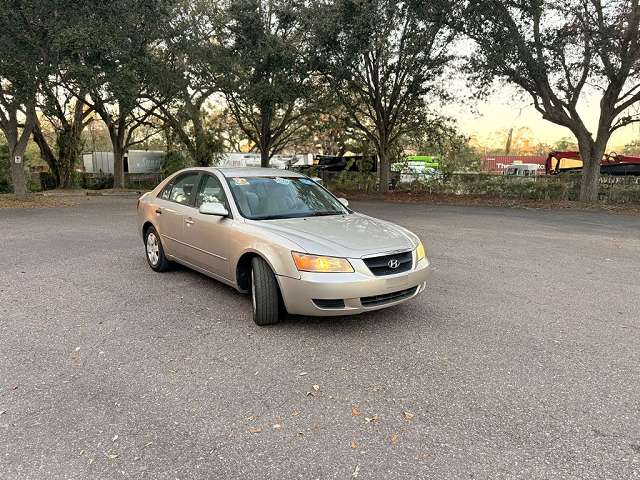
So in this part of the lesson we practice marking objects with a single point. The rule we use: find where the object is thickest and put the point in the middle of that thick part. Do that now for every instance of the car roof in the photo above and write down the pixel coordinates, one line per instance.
(254, 172)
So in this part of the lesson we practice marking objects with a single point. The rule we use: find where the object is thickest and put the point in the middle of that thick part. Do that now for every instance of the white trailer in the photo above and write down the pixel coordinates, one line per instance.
(136, 161)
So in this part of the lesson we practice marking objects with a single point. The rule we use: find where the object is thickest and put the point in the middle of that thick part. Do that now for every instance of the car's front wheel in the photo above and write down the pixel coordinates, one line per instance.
(155, 253)
(265, 295)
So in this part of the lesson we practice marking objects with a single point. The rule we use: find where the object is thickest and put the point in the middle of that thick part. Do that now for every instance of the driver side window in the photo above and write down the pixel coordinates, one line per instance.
(210, 191)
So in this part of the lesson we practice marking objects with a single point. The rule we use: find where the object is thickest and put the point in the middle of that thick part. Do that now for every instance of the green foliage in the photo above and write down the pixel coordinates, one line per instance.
(353, 182)
(260, 59)
(5, 180)
(96, 181)
(174, 161)
(381, 59)
(440, 137)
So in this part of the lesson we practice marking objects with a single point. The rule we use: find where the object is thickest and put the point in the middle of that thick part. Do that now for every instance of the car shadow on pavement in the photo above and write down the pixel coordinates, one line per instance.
(387, 319)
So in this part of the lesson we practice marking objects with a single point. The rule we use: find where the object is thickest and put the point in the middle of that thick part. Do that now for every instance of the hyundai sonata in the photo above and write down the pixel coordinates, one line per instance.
(283, 238)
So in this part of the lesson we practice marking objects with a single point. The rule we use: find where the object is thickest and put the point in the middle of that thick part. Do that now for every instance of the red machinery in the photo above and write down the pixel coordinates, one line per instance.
(611, 164)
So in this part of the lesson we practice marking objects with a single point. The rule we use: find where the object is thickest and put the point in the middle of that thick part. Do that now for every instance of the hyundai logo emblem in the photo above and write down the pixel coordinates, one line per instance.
(393, 263)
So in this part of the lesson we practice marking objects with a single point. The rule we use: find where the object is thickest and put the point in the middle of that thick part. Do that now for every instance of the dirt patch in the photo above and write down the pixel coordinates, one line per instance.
(483, 201)
(35, 201)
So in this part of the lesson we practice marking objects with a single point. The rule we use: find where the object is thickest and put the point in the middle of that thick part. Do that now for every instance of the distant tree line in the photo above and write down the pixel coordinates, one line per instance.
(296, 71)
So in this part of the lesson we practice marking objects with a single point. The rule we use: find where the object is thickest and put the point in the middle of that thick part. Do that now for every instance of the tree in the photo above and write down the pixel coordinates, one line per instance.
(186, 58)
(441, 138)
(381, 58)
(116, 61)
(565, 144)
(558, 51)
(260, 46)
(68, 115)
(21, 63)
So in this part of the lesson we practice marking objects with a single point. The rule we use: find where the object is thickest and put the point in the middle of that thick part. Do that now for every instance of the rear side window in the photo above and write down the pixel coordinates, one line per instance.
(184, 189)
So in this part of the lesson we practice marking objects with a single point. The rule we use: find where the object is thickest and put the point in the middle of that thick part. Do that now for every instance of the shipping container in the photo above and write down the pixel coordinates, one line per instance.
(498, 163)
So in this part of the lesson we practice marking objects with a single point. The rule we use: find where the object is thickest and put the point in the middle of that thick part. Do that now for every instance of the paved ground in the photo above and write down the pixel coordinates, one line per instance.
(521, 361)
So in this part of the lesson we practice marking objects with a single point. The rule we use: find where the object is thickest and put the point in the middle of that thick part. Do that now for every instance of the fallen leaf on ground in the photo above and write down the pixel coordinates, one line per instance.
(408, 416)
(295, 413)
(309, 394)
(277, 426)
(255, 429)
(394, 439)
(373, 419)
(355, 412)
(354, 445)
(316, 387)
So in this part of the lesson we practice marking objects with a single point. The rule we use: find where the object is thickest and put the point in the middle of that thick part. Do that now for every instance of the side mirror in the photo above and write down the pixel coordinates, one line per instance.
(212, 208)
(344, 201)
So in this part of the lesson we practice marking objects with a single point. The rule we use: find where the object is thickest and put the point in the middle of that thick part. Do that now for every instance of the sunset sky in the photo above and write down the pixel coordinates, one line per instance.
(504, 110)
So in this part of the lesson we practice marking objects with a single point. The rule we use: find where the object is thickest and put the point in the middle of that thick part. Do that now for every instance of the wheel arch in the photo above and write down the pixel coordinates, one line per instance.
(243, 269)
(145, 226)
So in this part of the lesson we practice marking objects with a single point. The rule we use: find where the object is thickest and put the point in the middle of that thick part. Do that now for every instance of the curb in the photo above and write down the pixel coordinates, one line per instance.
(96, 193)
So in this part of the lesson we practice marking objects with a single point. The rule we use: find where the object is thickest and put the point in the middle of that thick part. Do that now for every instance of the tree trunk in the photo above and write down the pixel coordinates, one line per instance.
(18, 176)
(47, 153)
(118, 166)
(201, 155)
(69, 148)
(264, 157)
(384, 170)
(17, 143)
(591, 154)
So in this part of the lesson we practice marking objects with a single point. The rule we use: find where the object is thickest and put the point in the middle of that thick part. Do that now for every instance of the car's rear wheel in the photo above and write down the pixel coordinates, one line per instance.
(265, 295)
(155, 253)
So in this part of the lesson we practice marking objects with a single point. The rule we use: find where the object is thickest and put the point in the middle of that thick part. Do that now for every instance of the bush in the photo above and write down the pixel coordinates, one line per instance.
(96, 181)
(5, 186)
(174, 161)
(352, 182)
(47, 181)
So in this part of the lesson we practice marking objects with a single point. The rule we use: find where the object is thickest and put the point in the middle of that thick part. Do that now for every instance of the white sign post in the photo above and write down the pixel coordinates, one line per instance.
(17, 159)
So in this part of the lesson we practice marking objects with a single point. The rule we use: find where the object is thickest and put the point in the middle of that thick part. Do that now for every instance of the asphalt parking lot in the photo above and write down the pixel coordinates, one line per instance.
(522, 359)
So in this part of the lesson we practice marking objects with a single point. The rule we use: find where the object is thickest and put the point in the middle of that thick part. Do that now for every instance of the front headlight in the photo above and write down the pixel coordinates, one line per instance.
(420, 253)
(320, 264)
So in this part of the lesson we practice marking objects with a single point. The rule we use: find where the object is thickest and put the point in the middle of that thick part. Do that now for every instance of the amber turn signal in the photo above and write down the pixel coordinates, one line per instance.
(320, 264)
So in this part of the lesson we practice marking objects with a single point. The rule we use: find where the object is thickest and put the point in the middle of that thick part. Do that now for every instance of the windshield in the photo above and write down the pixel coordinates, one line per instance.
(267, 198)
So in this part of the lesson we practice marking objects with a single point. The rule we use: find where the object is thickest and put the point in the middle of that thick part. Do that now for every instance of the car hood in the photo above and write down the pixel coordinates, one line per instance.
(352, 235)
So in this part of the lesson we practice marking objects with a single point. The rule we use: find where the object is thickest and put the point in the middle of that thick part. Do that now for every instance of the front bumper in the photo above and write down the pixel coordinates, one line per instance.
(377, 291)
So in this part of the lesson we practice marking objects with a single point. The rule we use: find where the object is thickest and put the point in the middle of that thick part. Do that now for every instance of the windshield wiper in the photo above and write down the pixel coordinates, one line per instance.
(323, 214)
(297, 215)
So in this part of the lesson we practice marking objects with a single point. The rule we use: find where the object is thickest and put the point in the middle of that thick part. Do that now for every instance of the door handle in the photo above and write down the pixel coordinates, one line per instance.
(158, 211)
(188, 221)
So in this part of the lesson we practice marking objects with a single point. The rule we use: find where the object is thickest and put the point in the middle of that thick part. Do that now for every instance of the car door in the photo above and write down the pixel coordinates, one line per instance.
(207, 235)
(175, 204)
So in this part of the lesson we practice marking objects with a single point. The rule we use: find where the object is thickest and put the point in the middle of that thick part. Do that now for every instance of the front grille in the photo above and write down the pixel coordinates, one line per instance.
(379, 266)
(387, 297)
(331, 303)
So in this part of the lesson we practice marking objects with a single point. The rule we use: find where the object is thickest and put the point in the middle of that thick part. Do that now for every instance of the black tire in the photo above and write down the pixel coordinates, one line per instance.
(265, 294)
(155, 256)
